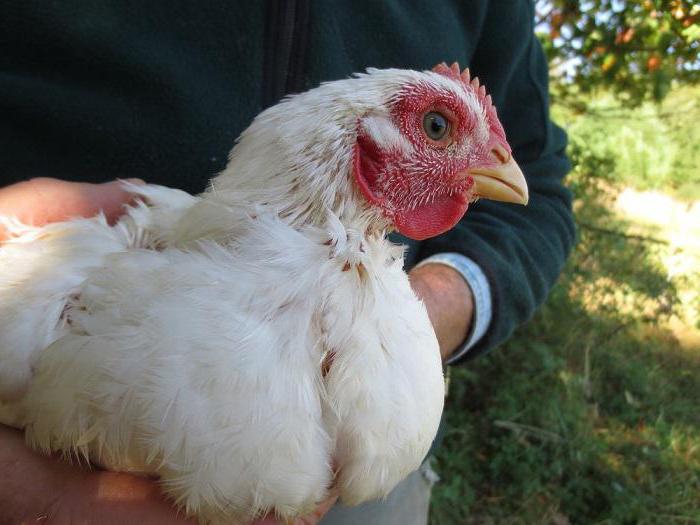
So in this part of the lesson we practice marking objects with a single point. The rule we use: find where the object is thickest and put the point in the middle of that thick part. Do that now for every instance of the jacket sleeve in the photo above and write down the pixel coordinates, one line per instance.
(521, 250)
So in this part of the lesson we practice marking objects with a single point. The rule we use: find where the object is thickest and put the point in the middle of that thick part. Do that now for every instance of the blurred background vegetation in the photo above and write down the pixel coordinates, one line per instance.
(591, 413)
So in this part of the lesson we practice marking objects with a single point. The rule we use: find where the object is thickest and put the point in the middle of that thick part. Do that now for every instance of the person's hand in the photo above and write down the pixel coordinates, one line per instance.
(36, 488)
(449, 302)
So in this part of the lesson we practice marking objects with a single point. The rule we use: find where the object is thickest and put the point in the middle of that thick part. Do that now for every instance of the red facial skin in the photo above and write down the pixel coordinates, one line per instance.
(427, 193)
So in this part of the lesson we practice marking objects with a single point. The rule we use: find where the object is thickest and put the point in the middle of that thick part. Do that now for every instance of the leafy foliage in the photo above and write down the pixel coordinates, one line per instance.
(636, 48)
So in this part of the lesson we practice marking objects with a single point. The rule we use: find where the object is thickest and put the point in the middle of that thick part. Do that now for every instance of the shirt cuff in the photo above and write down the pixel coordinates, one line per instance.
(481, 291)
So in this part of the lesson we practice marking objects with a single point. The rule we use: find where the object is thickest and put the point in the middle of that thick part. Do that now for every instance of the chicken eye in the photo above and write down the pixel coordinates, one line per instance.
(435, 125)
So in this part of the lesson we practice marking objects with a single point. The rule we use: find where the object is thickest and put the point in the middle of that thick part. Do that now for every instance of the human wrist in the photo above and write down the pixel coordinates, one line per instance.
(449, 302)
(482, 308)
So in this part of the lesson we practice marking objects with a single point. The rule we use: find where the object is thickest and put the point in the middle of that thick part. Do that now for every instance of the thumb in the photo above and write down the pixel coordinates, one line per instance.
(42, 200)
(109, 198)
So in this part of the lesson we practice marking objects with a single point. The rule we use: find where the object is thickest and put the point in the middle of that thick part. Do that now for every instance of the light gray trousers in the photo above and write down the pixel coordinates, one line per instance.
(408, 504)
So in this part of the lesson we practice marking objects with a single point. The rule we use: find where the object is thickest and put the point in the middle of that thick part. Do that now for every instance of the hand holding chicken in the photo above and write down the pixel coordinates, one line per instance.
(189, 339)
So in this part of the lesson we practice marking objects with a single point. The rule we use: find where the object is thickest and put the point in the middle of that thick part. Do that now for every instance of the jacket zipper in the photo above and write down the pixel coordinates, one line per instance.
(285, 49)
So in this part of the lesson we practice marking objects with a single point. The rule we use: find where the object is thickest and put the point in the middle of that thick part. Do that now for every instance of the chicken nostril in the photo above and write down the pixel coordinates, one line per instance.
(501, 154)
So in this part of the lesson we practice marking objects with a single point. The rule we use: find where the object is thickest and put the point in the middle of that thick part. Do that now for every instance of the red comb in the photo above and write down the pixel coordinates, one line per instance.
(453, 72)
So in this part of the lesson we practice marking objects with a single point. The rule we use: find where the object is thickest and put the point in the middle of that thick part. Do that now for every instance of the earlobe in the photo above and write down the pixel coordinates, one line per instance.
(366, 166)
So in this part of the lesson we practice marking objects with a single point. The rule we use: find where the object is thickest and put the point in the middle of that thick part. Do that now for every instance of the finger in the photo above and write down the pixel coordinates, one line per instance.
(311, 519)
(110, 198)
(320, 511)
(42, 200)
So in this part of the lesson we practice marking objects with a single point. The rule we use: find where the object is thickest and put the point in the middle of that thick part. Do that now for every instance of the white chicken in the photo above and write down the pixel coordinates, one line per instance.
(239, 342)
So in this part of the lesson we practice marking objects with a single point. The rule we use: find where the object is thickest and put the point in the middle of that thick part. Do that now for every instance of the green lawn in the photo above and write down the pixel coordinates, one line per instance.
(590, 414)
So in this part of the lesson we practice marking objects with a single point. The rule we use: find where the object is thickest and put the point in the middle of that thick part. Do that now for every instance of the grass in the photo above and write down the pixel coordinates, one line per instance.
(589, 415)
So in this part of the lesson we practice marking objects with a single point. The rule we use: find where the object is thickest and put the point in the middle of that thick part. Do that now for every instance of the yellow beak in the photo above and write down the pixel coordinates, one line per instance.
(504, 182)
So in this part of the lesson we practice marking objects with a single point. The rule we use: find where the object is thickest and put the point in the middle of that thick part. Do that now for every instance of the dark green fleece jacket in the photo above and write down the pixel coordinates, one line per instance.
(96, 89)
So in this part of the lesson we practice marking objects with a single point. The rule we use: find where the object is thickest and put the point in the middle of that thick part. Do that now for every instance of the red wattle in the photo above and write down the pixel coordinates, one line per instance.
(431, 219)
(366, 165)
